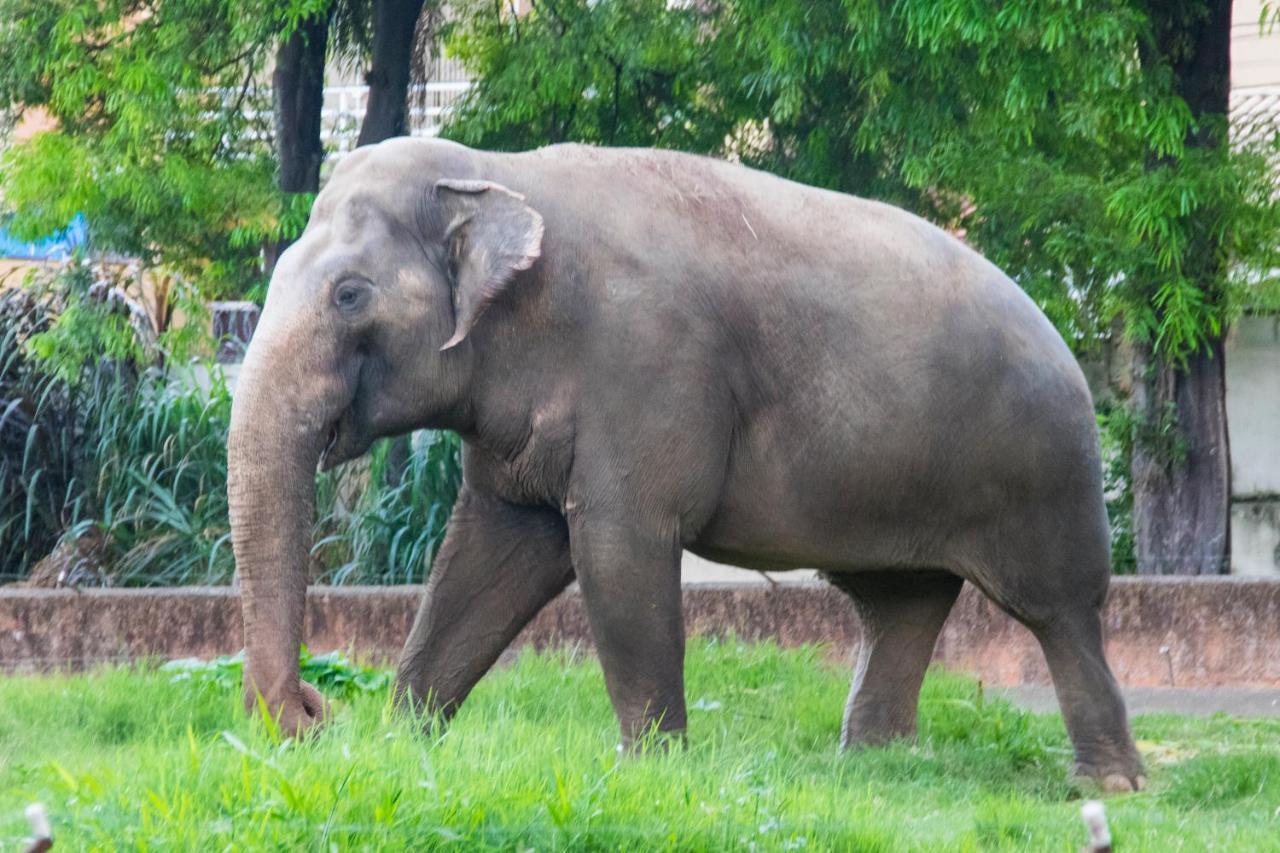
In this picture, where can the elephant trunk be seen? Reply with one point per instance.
(277, 435)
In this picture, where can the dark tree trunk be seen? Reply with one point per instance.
(298, 91)
(386, 113)
(1181, 466)
(1181, 459)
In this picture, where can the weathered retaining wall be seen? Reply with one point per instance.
(1183, 632)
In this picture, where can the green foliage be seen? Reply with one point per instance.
(136, 758)
(1116, 428)
(162, 136)
(97, 314)
(37, 431)
(619, 73)
(100, 435)
(155, 479)
(108, 443)
(1046, 130)
(394, 524)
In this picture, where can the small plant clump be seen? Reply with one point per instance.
(332, 673)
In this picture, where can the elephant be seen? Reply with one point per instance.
(645, 351)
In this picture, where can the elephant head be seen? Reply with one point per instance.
(366, 332)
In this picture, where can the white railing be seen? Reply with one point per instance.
(346, 101)
(344, 109)
(1255, 113)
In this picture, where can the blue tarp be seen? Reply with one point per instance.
(59, 247)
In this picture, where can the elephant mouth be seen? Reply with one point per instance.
(345, 441)
(327, 460)
(339, 447)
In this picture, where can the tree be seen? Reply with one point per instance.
(383, 33)
(1182, 499)
(617, 73)
(1080, 145)
(155, 140)
(160, 138)
(297, 88)
(395, 25)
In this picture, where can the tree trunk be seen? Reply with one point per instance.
(386, 112)
(1181, 459)
(1181, 466)
(298, 91)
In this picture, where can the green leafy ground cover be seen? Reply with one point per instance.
(145, 758)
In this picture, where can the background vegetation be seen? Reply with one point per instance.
(1083, 146)
(166, 759)
(109, 446)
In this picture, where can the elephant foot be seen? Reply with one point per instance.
(653, 742)
(871, 730)
(1114, 778)
(1117, 784)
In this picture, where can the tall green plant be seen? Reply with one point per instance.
(155, 482)
(131, 448)
(381, 527)
(37, 433)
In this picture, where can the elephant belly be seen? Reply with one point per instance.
(833, 511)
(938, 438)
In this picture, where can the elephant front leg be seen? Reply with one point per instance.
(498, 566)
(630, 584)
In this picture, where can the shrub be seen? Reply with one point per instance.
(36, 450)
(397, 520)
(130, 451)
(1115, 428)
(332, 672)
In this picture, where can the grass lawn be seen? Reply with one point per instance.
(134, 758)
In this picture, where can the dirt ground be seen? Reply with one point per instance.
(1199, 702)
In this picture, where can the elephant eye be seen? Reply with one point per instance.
(350, 296)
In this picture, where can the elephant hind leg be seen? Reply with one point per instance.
(1058, 594)
(1091, 703)
(902, 614)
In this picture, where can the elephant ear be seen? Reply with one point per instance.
(491, 234)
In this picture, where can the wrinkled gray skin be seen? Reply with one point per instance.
(644, 351)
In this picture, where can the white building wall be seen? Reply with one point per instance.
(1253, 421)
(1253, 349)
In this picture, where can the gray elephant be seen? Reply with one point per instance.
(645, 351)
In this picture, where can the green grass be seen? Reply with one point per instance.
(147, 759)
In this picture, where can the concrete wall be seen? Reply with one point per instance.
(1253, 419)
(1255, 57)
(1161, 632)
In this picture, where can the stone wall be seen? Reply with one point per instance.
(1161, 632)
